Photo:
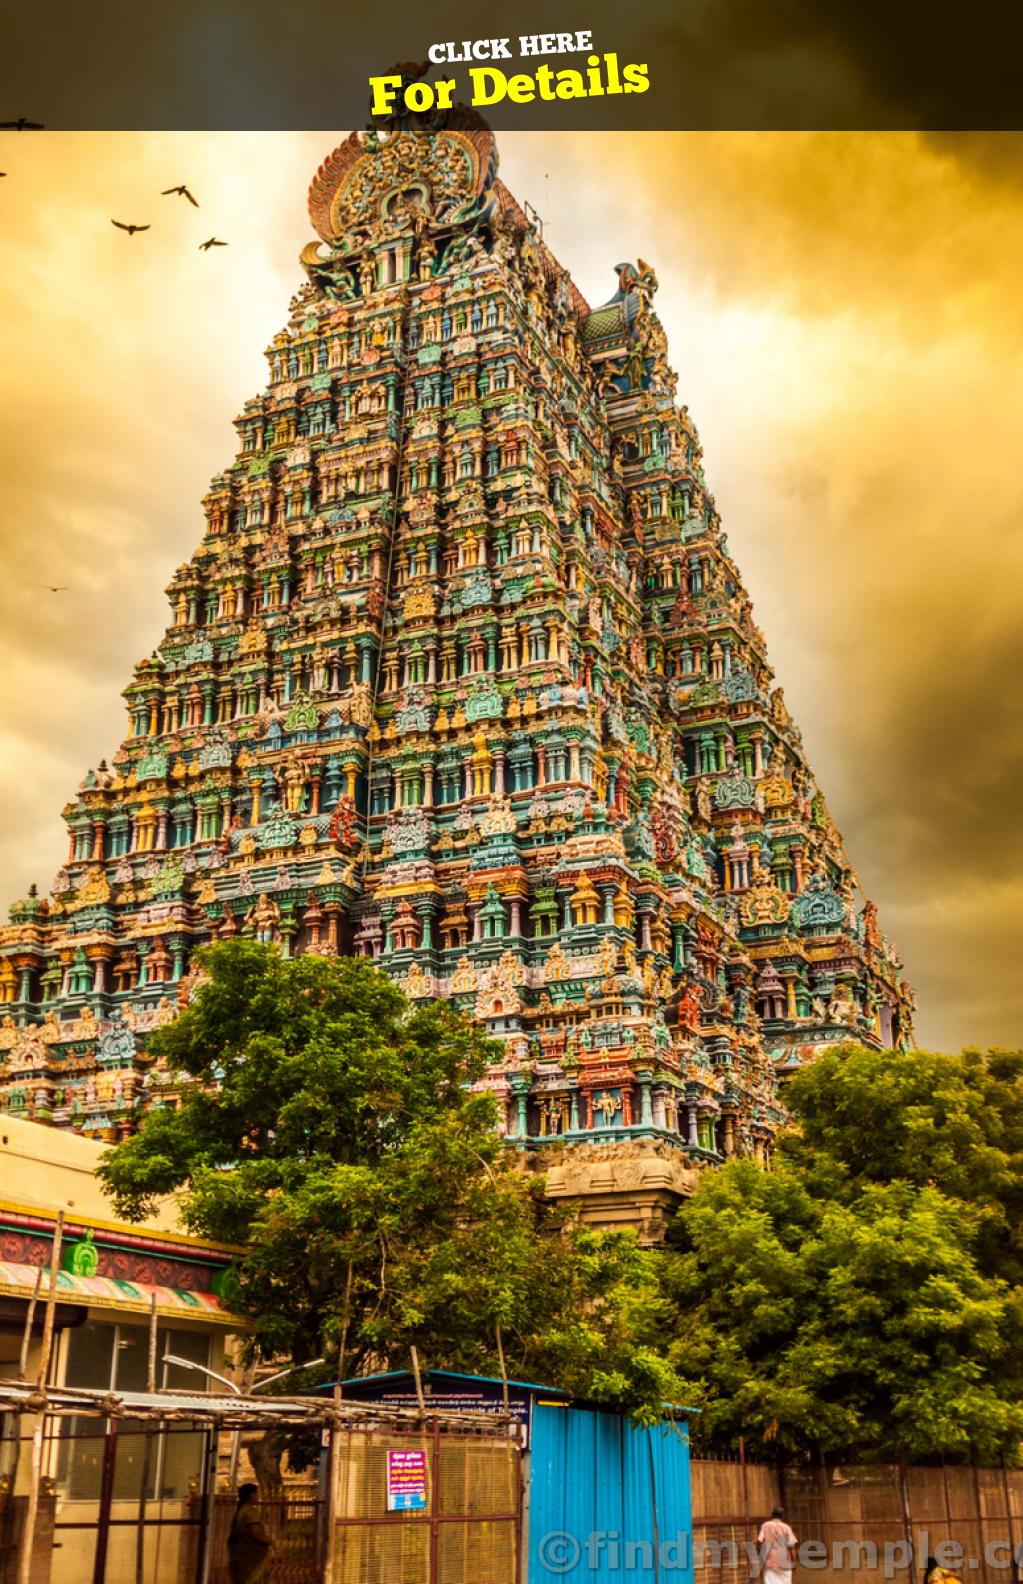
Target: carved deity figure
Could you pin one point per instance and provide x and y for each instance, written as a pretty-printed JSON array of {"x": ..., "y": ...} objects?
[
  {"x": 426, "y": 258},
  {"x": 295, "y": 778},
  {"x": 608, "y": 1105},
  {"x": 263, "y": 919}
]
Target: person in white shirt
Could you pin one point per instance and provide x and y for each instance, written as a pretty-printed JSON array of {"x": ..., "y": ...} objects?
[{"x": 777, "y": 1549}]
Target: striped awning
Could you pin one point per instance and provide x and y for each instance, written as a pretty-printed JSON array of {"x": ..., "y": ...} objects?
[{"x": 107, "y": 1292}]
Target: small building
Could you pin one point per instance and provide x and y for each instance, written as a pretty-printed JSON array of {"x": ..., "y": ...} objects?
[
  {"x": 116, "y": 1284},
  {"x": 597, "y": 1497},
  {"x": 111, "y": 1272}
]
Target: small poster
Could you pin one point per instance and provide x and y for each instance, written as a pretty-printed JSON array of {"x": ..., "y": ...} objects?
[{"x": 406, "y": 1480}]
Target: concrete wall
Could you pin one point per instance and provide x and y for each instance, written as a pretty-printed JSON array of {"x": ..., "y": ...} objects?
[{"x": 54, "y": 1169}]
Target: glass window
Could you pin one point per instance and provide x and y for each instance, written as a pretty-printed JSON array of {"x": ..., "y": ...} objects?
[
  {"x": 116, "y": 1358},
  {"x": 90, "y": 1356}
]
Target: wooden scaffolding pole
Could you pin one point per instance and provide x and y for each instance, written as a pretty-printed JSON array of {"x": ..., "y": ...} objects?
[
  {"x": 36, "y": 1473},
  {"x": 147, "y": 1450},
  {"x": 30, "y": 1315}
]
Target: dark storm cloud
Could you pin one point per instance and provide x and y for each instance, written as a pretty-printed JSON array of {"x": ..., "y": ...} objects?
[{"x": 943, "y": 65}]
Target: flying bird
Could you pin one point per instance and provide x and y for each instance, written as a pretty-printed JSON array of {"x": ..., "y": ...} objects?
[
  {"x": 21, "y": 125},
  {"x": 182, "y": 191},
  {"x": 212, "y": 242},
  {"x": 131, "y": 229},
  {"x": 57, "y": 588}
]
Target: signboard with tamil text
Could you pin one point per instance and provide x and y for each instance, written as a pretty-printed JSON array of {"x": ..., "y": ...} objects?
[
  {"x": 406, "y": 1479},
  {"x": 475, "y": 1397}
]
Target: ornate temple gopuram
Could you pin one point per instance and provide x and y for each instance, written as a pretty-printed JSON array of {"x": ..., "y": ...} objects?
[{"x": 463, "y": 677}]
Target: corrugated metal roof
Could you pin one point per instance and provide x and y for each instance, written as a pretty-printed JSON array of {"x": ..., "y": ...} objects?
[
  {"x": 457, "y": 1375},
  {"x": 205, "y": 1405},
  {"x": 221, "y": 1402}
]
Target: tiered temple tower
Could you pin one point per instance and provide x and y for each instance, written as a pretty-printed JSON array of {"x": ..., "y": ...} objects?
[{"x": 464, "y": 678}]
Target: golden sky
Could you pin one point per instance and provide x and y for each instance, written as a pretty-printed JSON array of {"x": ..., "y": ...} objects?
[{"x": 844, "y": 313}]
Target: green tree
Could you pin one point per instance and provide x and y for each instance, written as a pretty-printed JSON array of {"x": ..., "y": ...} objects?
[
  {"x": 956, "y": 1122},
  {"x": 331, "y": 1131},
  {"x": 861, "y": 1328},
  {"x": 863, "y": 1297}
]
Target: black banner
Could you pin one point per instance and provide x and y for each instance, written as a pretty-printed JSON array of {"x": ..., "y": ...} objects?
[{"x": 678, "y": 64}]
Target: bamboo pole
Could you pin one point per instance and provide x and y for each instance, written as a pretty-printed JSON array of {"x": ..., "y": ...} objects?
[
  {"x": 211, "y": 1445},
  {"x": 978, "y": 1507},
  {"x": 304, "y": 1411},
  {"x": 26, "y": 1338},
  {"x": 147, "y": 1451},
  {"x": 420, "y": 1399},
  {"x": 233, "y": 1457},
  {"x": 153, "y": 1349},
  {"x": 35, "y": 1478},
  {"x": 504, "y": 1370},
  {"x": 333, "y": 1442},
  {"x": 1008, "y": 1519},
  {"x": 745, "y": 1481},
  {"x": 333, "y": 1480},
  {"x": 30, "y": 1314},
  {"x": 345, "y": 1318},
  {"x": 51, "y": 1304},
  {"x": 248, "y": 1377}
]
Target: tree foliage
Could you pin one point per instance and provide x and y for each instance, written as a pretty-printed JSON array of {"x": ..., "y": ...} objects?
[
  {"x": 862, "y": 1297},
  {"x": 955, "y": 1122},
  {"x": 858, "y": 1328},
  {"x": 329, "y": 1130}
]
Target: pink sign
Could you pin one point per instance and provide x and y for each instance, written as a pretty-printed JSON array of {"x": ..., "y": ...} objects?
[{"x": 406, "y": 1480}]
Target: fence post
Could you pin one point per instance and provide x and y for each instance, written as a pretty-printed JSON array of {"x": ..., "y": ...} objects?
[
  {"x": 333, "y": 1481},
  {"x": 106, "y": 1496},
  {"x": 434, "y": 1574},
  {"x": 207, "y": 1506}
]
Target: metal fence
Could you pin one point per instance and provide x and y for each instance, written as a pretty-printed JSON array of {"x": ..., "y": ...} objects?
[
  {"x": 468, "y": 1531},
  {"x": 118, "y": 1501},
  {"x": 124, "y": 1500},
  {"x": 293, "y": 1519}
]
